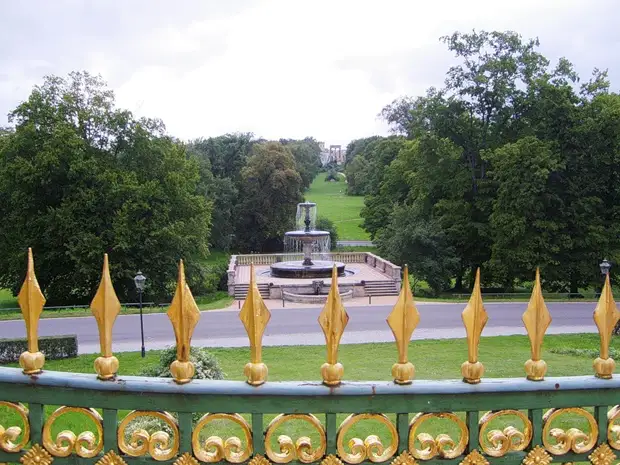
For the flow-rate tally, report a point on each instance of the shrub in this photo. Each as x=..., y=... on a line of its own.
x=207, y=366
x=332, y=176
x=53, y=347
x=325, y=224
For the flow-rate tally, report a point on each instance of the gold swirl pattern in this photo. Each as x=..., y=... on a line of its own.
x=571, y=440
x=86, y=444
x=158, y=444
x=302, y=448
x=370, y=448
x=498, y=443
x=215, y=449
x=613, y=427
x=11, y=434
x=442, y=445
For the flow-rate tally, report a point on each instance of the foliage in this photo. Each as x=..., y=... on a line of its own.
x=79, y=177
x=53, y=347
x=215, y=274
x=332, y=175
x=270, y=190
x=510, y=163
x=205, y=364
x=365, y=172
x=325, y=224
x=221, y=161
x=422, y=245
x=307, y=155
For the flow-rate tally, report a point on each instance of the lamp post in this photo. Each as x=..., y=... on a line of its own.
x=139, y=281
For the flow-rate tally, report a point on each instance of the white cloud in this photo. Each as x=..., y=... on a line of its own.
x=283, y=68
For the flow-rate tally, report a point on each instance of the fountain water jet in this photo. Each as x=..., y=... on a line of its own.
x=310, y=241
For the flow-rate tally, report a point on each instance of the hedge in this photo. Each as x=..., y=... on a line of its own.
x=53, y=347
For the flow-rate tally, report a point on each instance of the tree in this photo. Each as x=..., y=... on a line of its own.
x=221, y=160
x=325, y=224
x=270, y=190
x=79, y=177
x=528, y=228
x=421, y=245
x=307, y=155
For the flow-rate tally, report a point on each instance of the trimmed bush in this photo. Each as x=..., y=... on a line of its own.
x=53, y=347
x=207, y=366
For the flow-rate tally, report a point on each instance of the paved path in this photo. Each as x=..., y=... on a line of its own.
x=298, y=326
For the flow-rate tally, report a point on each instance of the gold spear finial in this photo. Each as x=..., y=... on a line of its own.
x=474, y=317
x=184, y=315
x=536, y=319
x=333, y=319
x=31, y=301
x=255, y=315
x=403, y=320
x=105, y=307
x=606, y=315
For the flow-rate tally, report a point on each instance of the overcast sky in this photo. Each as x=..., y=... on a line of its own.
x=277, y=68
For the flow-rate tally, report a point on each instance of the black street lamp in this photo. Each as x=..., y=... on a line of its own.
x=605, y=267
x=139, y=281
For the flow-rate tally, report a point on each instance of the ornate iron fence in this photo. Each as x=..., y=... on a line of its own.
x=563, y=419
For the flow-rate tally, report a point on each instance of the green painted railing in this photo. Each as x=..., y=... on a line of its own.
x=559, y=431
x=111, y=419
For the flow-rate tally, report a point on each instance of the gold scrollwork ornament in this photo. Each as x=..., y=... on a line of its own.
x=572, y=439
x=537, y=456
x=613, y=427
x=370, y=448
x=443, y=445
x=216, y=449
x=9, y=435
x=158, y=444
x=87, y=444
x=302, y=448
x=510, y=439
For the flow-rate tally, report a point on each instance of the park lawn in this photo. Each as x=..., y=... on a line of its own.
x=213, y=301
x=333, y=203
x=6, y=299
x=502, y=356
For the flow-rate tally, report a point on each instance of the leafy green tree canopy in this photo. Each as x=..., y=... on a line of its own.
x=79, y=177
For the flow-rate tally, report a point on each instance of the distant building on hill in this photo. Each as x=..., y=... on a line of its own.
x=333, y=154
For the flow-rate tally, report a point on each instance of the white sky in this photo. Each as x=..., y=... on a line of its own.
x=278, y=68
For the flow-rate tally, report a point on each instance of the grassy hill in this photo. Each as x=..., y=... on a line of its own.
x=333, y=203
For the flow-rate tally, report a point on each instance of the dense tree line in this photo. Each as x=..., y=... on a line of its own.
x=513, y=164
x=80, y=177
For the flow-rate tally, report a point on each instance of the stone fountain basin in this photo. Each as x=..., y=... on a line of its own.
x=313, y=298
x=297, y=269
x=310, y=234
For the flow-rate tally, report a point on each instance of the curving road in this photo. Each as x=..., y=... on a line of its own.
x=298, y=326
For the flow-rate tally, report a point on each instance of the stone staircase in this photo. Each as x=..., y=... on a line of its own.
x=381, y=288
x=241, y=291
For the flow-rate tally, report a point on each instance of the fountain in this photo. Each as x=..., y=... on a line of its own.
x=309, y=241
